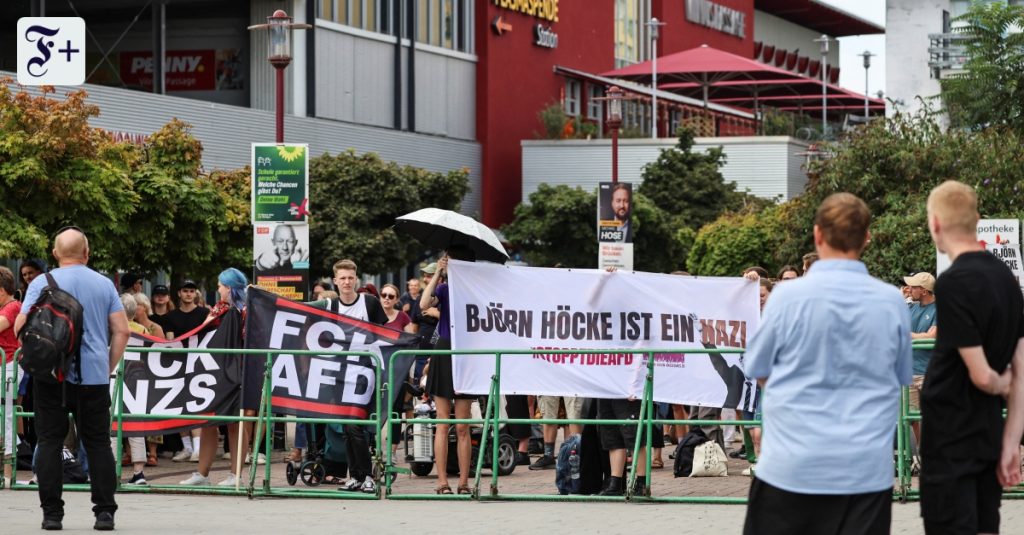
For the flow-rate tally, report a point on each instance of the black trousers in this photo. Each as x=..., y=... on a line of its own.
x=772, y=510
x=90, y=405
x=357, y=451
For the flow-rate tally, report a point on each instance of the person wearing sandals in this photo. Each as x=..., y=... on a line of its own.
x=439, y=381
x=231, y=285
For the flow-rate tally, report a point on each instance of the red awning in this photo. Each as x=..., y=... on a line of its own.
x=702, y=65
x=819, y=16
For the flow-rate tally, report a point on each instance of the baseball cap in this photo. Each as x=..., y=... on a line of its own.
x=923, y=279
x=430, y=268
x=189, y=283
x=161, y=289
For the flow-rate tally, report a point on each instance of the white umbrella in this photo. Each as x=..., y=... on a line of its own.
x=443, y=229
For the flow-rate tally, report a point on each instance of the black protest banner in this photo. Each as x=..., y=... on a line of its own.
x=192, y=384
x=321, y=385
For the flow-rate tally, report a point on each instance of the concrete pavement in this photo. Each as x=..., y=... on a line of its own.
x=176, y=514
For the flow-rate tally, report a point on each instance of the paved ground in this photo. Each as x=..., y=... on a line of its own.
x=522, y=481
x=176, y=514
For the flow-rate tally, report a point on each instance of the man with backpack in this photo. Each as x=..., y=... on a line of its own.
x=80, y=383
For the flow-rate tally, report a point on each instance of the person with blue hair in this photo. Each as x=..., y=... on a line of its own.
x=231, y=286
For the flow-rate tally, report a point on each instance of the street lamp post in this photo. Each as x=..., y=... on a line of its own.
x=867, y=65
x=654, y=24
x=614, y=122
x=280, y=26
x=823, y=40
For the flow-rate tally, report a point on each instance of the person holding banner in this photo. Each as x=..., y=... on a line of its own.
x=440, y=385
x=832, y=351
x=231, y=284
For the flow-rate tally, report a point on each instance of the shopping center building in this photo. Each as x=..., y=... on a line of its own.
x=439, y=84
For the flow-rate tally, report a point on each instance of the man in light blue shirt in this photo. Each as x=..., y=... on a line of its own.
x=86, y=394
x=832, y=351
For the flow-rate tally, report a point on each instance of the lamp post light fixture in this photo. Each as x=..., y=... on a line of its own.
x=614, y=98
x=867, y=65
x=654, y=25
x=279, y=54
x=824, y=40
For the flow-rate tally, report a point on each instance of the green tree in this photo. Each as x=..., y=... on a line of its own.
x=557, y=226
x=356, y=198
x=892, y=164
x=736, y=241
x=989, y=91
x=145, y=208
x=689, y=185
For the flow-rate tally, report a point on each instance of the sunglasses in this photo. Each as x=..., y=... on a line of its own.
x=388, y=296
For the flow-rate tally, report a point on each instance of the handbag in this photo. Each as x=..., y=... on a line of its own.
x=709, y=461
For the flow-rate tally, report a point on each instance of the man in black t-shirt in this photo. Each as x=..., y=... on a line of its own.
x=967, y=455
x=188, y=315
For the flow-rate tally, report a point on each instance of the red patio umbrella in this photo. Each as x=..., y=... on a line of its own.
x=705, y=66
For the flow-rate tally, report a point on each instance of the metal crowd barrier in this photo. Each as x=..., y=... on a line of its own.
x=388, y=467
x=492, y=422
x=264, y=419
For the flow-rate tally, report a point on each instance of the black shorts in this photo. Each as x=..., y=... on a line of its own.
x=772, y=510
x=617, y=437
x=959, y=496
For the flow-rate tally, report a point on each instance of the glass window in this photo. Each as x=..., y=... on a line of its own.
x=448, y=24
x=627, y=16
x=594, y=108
x=325, y=9
x=355, y=14
x=435, y=22
x=422, y=16
x=572, y=97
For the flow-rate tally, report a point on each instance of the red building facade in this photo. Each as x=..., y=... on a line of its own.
x=520, y=42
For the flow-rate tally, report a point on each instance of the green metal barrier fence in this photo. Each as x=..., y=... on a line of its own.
x=264, y=419
x=387, y=466
x=492, y=422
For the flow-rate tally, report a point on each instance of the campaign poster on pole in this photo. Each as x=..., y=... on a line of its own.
x=991, y=233
x=280, y=182
x=281, y=259
x=614, y=229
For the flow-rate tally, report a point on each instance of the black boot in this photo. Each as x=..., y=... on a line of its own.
x=640, y=487
x=613, y=487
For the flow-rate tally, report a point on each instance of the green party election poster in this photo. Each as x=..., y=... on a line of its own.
x=280, y=182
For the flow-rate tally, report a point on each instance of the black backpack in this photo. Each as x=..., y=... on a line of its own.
x=52, y=334
x=683, y=465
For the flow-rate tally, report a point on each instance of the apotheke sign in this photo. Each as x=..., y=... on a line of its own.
x=717, y=17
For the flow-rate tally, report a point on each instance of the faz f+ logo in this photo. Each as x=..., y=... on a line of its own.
x=51, y=51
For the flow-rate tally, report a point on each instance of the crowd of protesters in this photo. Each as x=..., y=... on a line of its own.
x=831, y=297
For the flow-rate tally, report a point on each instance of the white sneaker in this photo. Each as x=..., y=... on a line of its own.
x=226, y=456
x=368, y=486
x=229, y=482
x=183, y=455
x=750, y=470
x=196, y=480
x=351, y=485
x=260, y=459
x=194, y=458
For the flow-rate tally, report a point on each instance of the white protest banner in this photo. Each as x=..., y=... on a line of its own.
x=503, y=307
